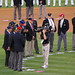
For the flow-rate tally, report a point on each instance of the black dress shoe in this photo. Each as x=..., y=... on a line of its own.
x=39, y=17
x=51, y=51
x=0, y=6
x=19, y=70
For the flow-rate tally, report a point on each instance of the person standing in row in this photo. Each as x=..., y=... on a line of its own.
x=6, y=44
x=1, y=1
x=29, y=46
x=50, y=22
x=29, y=8
x=63, y=26
x=72, y=2
x=18, y=39
x=17, y=7
x=73, y=42
x=42, y=4
x=49, y=2
x=54, y=2
x=36, y=2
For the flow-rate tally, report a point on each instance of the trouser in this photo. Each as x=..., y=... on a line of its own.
x=1, y=1
x=22, y=3
x=45, y=51
x=36, y=2
x=12, y=3
x=7, y=57
x=48, y=2
x=29, y=10
x=72, y=2
x=61, y=37
x=6, y=3
x=73, y=42
x=29, y=48
x=51, y=40
x=36, y=45
x=54, y=2
x=40, y=10
x=11, y=60
x=17, y=8
x=18, y=56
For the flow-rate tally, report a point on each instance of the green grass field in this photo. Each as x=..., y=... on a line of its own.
x=63, y=1
x=59, y=64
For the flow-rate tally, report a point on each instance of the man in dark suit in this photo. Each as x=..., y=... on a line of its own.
x=29, y=8
x=18, y=39
x=17, y=5
x=35, y=40
x=63, y=26
x=50, y=22
x=42, y=4
x=6, y=44
x=29, y=38
x=73, y=42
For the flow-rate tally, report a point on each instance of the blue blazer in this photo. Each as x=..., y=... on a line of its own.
x=18, y=42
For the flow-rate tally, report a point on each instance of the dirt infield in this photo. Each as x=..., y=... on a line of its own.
x=6, y=15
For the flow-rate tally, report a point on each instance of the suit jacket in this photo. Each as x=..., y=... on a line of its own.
x=17, y=2
x=73, y=23
x=30, y=33
x=35, y=26
x=64, y=28
x=6, y=40
x=29, y=3
x=43, y=2
x=18, y=42
x=46, y=22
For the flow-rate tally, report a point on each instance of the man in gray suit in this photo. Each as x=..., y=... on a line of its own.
x=17, y=5
x=29, y=8
x=63, y=26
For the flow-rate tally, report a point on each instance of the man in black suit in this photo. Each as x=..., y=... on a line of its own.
x=17, y=5
x=50, y=22
x=73, y=42
x=42, y=4
x=29, y=8
x=29, y=38
x=18, y=39
x=6, y=44
x=63, y=26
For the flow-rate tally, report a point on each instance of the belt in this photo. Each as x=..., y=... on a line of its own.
x=45, y=44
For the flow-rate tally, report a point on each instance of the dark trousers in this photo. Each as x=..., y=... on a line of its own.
x=11, y=59
x=17, y=8
x=51, y=39
x=60, y=38
x=7, y=57
x=18, y=60
x=36, y=46
x=29, y=10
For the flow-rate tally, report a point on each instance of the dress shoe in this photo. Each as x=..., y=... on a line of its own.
x=51, y=51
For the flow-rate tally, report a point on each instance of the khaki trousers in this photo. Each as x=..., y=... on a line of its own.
x=29, y=48
x=45, y=51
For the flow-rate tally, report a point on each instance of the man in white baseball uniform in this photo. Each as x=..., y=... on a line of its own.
x=36, y=2
x=12, y=3
x=6, y=3
x=1, y=1
x=72, y=2
x=49, y=1
x=54, y=2
x=22, y=3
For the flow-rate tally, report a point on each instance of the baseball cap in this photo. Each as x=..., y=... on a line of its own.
x=61, y=15
x=22, y=22
x=19, y=28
